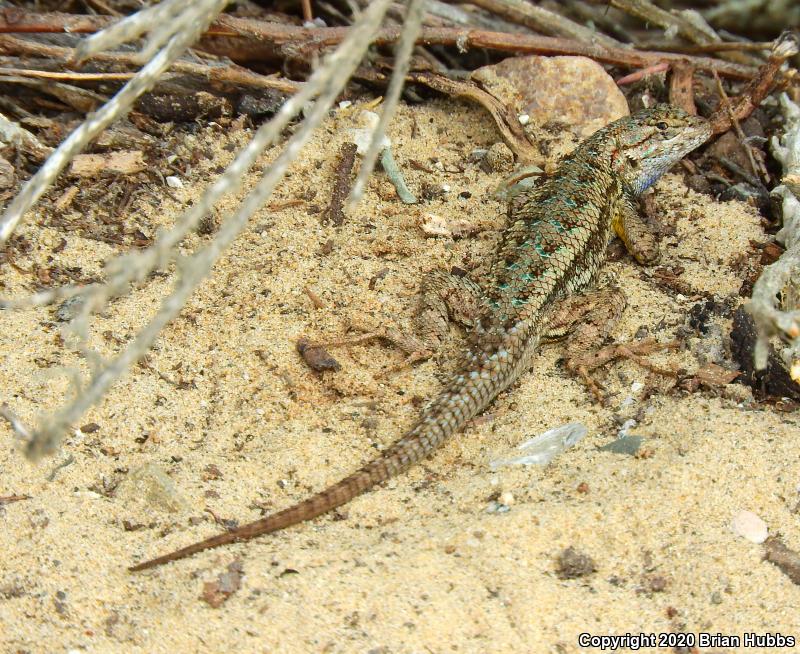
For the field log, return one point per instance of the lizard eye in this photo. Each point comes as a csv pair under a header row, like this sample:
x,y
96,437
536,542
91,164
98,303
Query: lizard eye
x,y
661,125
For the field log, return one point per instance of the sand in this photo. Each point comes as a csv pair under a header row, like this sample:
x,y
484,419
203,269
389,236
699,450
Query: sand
x,y
227,412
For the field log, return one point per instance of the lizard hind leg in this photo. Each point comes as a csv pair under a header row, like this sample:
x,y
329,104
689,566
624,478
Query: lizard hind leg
x,y
443,297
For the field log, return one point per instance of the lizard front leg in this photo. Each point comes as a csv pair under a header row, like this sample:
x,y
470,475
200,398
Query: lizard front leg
x,y
628,224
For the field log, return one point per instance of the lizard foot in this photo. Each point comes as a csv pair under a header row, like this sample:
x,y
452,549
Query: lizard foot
x,y
583,365
413,347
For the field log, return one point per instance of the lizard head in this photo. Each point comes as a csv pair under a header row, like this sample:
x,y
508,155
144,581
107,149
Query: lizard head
x,y
652,140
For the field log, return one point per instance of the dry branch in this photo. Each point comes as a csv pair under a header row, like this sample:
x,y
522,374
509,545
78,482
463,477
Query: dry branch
x,y
543,20
265,39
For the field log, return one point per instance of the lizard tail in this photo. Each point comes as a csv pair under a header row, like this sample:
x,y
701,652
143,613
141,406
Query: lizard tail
x,y
468,394
394,460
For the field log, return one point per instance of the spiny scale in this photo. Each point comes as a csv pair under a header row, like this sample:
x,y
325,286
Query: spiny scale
x,y
554,246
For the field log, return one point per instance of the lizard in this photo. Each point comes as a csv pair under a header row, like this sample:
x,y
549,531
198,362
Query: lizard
x,y
548,259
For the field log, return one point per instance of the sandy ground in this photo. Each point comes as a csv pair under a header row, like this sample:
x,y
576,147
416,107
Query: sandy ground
x,y
232,417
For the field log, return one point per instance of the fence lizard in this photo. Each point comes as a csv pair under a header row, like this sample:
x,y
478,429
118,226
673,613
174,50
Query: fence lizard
x,y
546,268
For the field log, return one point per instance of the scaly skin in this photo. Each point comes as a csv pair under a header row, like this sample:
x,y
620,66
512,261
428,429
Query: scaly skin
x,y
553,247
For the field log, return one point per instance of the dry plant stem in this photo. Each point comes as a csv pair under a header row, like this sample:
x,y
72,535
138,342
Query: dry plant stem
x,y
785,46
308,15
263,36
118,106
160,21
217,73
641,74
506,121
543,20
681,91
341,184
327,81
726,103
19,21
73,77
725,46
279,36
782,278
650,13
413,23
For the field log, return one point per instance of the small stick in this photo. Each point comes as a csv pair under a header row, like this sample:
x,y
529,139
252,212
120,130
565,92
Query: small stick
x,y
228,73
681,93
760,85
341,184
8,499
650,13
543,20
277,36
758,170
722,46
308,15
641,74
77,77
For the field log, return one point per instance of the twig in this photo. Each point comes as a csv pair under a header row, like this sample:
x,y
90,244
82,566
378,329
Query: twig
x,y
8,499
723,97
218,73
73,77
722,46
761,84
341,183
301,38
641,74
308,15
543,20
650,13
273,37
507,122
681,93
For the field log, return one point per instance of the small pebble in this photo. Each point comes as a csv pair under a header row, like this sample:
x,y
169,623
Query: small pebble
x,y
524,119
572,564
497,507
173,182
748,525
507,498
628,444
69,308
